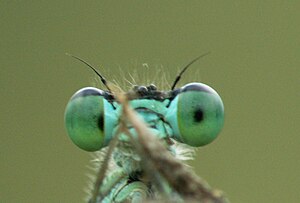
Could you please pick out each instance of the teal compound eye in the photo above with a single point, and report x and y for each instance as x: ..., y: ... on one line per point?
x: 197, y: 114
x: 85, y: 118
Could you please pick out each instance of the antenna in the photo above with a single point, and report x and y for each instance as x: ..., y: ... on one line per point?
x: 103, y: 80
x: 185, y: 68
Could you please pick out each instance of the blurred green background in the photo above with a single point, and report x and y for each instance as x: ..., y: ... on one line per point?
x: 254, y: 65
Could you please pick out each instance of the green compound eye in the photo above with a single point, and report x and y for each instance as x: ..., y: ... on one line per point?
x: 199, y: 114
x: 84, y: 119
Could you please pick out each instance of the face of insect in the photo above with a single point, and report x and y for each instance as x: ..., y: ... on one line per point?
x: 193, y: 114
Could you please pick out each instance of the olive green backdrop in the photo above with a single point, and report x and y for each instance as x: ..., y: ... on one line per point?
x: 254, y: 65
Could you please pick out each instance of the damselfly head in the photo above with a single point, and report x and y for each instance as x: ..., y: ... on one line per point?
x: 192, y: 114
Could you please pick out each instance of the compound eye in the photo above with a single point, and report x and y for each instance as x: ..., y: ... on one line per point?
x: 200, y: 114
x: 84, y: 119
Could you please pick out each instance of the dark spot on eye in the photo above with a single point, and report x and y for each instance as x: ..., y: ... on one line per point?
x: 198, y: 115
x: 101, y: 122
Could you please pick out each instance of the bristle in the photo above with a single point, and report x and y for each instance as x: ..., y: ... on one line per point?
x: 94, y: 169
x: 94, y: 166
x: 90, y: 176
x: 183, y: 152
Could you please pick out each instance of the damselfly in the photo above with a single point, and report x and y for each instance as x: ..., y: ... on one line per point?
x: 141, y: 138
